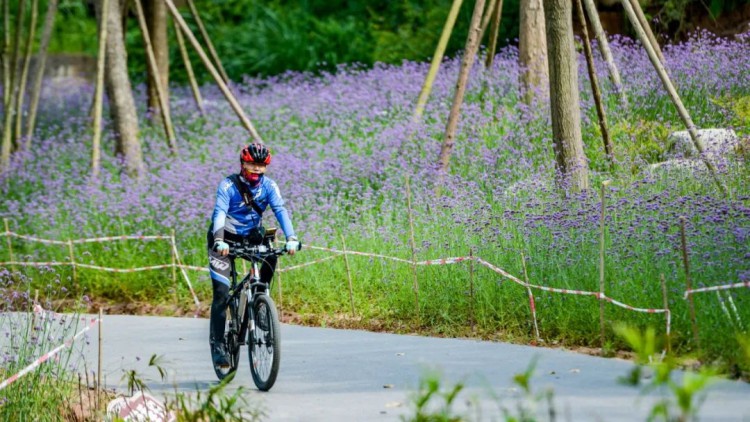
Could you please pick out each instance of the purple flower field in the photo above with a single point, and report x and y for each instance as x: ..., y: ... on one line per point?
x: 344, y: 149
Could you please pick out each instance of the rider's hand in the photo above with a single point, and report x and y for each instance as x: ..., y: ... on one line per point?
x: 221, y: 247
x: 292, y: 244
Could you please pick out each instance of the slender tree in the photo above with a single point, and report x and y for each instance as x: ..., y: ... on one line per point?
x: 36, y: 88
x: 564, y: 96
x: 601, y: 39
x: 161, y: 95
x: 494, y: 30
x: 436, y: 59
x: 601, y: 114
x: 532, y: 46
x: 6, y: 52
x: 25, y: 68
x: 120, y: 94
x: 207, y: 40
x: 188, y: 67
x: 98, y: 94
x: 472, y: 44
x: 156, y: 20
x: 10, y: 106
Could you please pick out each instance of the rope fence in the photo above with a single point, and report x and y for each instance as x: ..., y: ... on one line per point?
x: 178, y: 264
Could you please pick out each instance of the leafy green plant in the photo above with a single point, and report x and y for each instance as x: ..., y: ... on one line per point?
x: 686, y: 394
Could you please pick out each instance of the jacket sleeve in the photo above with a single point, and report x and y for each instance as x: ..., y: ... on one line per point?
x: 221, y: 208
x: 279, y: 210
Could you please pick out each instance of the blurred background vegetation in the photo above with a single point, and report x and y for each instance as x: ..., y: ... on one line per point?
x: 269, y: 37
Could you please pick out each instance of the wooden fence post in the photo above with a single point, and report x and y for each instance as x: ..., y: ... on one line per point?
x: 688, y: 283
x: 666, y: 309
x: 174, y: 268
x: 471, y: 287
x: 348, y: 275
x: 532, y: 303
x: 601, y: 262
x: 10, y: 244
x: 413, y: 249
x: 73, y: 264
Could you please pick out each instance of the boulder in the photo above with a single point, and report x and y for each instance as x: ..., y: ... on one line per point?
x: 716, y: 142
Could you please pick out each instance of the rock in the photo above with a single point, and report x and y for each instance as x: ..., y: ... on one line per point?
x: 716, y: 142
x: 684, y: 168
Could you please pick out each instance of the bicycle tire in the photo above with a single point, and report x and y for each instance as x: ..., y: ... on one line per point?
x: 231, y: 341
x: 264, y: 343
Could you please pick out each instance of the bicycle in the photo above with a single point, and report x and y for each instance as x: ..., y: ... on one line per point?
x: 256, y: 325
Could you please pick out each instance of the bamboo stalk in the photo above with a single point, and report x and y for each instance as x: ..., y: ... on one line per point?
x: 188, y: 68
x: 647, y: 28
x: 601, y: 262
x: 666, y: 308
x: 348, y: 275
x: 207, y: 39
x: 436, y: 59
x: 675, y: 98
x: 494, y: 30
x: 222, y: 85
x: 25, y: 68
x: 36, y: 89
x: 98, y: 92
x: 161, y: 91
x: 413, y: 248
x: 472, y: 43
x: 595, y: 84
x: 604, y: 49
x: 688, y: 282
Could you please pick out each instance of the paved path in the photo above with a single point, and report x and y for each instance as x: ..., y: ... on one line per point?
x: 349, y: 375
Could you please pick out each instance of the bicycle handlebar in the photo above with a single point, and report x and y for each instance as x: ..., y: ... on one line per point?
x: 257, y: 251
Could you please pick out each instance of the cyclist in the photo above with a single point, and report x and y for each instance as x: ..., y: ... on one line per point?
x: 240, y: 202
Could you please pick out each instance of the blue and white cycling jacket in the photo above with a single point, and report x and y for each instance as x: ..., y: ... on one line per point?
x: 231, y: 215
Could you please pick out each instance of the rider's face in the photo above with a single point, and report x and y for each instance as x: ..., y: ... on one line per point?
x: 254, y: 167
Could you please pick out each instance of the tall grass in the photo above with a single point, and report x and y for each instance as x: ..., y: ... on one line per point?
x: 343, y: 148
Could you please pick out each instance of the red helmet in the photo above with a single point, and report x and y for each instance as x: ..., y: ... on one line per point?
x: 256, y: 153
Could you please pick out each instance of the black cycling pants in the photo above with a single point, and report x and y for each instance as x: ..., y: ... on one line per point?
x: 221, y: 265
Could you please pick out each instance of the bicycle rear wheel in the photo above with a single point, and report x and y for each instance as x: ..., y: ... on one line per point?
x: 231, y: 342
x: 264, y: 343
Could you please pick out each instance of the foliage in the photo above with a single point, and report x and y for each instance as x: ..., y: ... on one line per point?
x: 344, y: 146
x: 686, y: 395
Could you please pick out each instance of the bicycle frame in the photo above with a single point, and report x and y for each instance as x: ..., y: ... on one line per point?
x: 244, y: 293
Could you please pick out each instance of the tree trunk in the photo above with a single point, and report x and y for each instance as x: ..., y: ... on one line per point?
x: 36, y: 88
x: 10, y: 105
x: 472, y: 44
x: 564, y: 96
x: 120, y: 94
x: 532, y: 50
x: 6, y: 53
x: 156, y: 19
x: 25, y: 68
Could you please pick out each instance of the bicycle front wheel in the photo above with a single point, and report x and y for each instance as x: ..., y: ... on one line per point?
x: 264, y: 343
